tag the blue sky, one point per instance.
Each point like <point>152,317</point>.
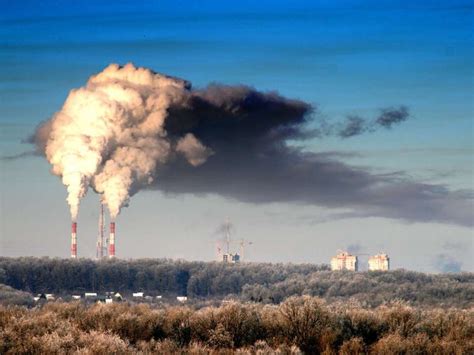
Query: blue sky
<point>347,58</point>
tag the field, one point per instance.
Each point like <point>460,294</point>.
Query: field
<point>300,324</point>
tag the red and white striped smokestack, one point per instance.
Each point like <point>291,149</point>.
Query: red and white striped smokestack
<point>74,240</point>
<point>112,240</point>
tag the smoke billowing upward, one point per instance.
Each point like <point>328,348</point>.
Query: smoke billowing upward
<point>110,135</point>
<point>129,128</point>
<point>113,134</point>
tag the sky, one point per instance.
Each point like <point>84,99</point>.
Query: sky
<point>349,58</point>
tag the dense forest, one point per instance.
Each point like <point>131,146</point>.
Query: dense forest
<point>257,282</point>
<point>298,325</point>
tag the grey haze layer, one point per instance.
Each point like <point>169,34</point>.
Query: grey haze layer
<point>158,132</point>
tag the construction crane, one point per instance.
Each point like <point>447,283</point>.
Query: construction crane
<point>227,230</point>
<point>218,248</point>
<point>243,243</point>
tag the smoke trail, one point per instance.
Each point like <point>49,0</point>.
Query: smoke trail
<point>129,128</point>
<point>109,135</point>
<point>355,125</point>
<point>391,116</point>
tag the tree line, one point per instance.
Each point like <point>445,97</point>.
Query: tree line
<point>257,282</point>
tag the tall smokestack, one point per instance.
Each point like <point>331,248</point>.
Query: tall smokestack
<point>74,240</point>
<point>101,246</point>
<point>112,240</point>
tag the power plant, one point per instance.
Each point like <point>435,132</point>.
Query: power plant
<point>344,260</point>
<point>105,247</point>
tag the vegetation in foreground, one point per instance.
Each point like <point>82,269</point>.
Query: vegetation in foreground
<point>256,282</point>
<point>298,325</point>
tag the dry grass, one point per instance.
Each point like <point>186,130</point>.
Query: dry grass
<point>298,325</point>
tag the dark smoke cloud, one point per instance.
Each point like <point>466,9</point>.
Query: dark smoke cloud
<point>392,116</point>
<point>248,132</point>
<point>354,248</point>
<point>239,113</point>
<point>355,125</point>
<point>40,136</point>
<point>22,155</point>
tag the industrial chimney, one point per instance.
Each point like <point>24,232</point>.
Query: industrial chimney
<point>112,240</point>
<point>101,244</point>
<point>74,240</point>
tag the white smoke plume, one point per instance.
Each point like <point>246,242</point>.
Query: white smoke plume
<point>110,135</point>
<point>194,151</point>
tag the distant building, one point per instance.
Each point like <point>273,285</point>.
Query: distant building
<point>344,261</point>
<point>379,262</point>
<point>90,295</point>
<point>76,297</point>
<point>138,294</point>
<point>182,298</point>
<point>231,258</point>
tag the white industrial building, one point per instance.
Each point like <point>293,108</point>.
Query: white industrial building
<point>231,258</point>
<point>379,262</point>
<point>344,261</point>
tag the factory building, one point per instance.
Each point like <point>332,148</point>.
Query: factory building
<point>231,258</point>
<point>344,261</point>
<point>379,262</point>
